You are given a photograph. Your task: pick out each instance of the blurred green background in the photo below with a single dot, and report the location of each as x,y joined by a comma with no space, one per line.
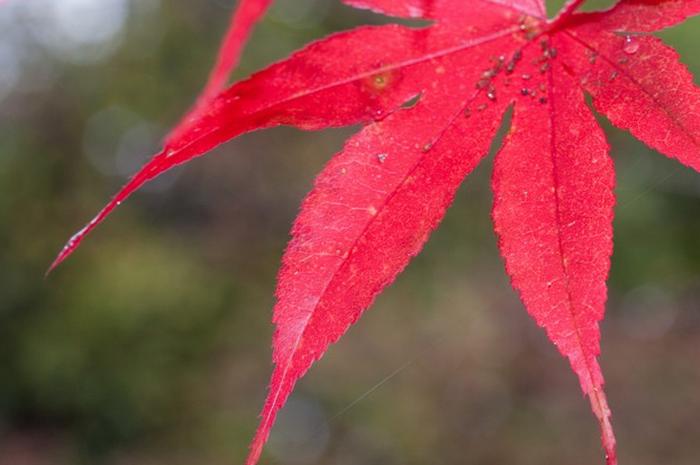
151,345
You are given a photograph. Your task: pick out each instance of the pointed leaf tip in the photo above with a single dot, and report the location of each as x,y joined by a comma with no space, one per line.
245,17
153,168
599,405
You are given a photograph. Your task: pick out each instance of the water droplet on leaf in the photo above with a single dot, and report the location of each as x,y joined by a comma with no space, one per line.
631,46
379,115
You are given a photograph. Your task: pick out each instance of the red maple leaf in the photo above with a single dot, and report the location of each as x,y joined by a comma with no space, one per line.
376,202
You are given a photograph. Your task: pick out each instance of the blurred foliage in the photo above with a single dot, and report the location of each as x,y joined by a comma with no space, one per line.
151,345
